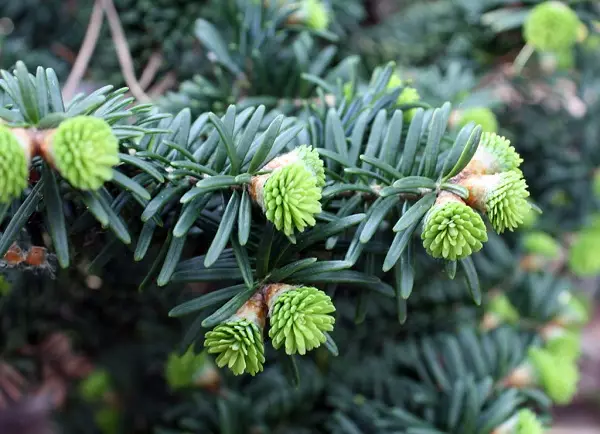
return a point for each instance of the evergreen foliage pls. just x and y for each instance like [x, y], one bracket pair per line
[332, 224]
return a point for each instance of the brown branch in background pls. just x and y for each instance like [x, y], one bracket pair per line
[85, 53]
[166, 83]
[122, 48]
[151, 69]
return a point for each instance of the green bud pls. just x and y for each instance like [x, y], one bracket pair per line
[482, 116]
[84, 151]
[316, 14]
[108, 420]
[557, 375]
[453, 230]
[181, 370]
[409, 95]
[96, 385]
[502, 308]
[299, 318]
[496, 154]
[528, 423]
[501, 196]
[239, 345]
[551, 26]
[310, 157]
[541, 243]
[291, 198]
[584, 260]
[14, 166]
[564, 343]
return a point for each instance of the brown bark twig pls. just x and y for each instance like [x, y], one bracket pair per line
[123, 53]
[151, 69]
[85, 53]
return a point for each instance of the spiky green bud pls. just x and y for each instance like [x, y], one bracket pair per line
[495, 154]
[84, 151]
[181, 370]
[482, 116]
[551, 26]
[453, 230]
[239, 345]
[502, 308]
[14, 166]
[299, 319]
[541, 243]
[528, 423]
[501, 196]
[557, 375]
[310, 157]
[291, 198]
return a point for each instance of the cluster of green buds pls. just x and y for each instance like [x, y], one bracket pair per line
[289, 190]
[82, 149]
[453, 227]
[556, 374]
[299, 317]
[524, 422]
[191, 369]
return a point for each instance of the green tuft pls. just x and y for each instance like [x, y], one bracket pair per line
[482, 116]
[108, 420]
[313, 162]
[84, 150]
[291, 198]
[575, 311]
[552, 26]
[584, 260]
[13, 166]
[501, 307]
[557, 375]
[528, 423]
[506, 203]
[409, 95]
[299, 318]
[317, 14]
[505, 157]
[453, 231]
[541, 243]
[96, 385]
[181, 370]
[239, 345]
[567, 345]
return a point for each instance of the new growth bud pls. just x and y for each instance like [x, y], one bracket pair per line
[452, 229]
[84, 150]
[15, 154]
[552, 26]
[298, 317]
[238, 341]
[290, 194]
[502, 197]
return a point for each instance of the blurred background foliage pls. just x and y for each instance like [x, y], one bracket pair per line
[111, 354]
